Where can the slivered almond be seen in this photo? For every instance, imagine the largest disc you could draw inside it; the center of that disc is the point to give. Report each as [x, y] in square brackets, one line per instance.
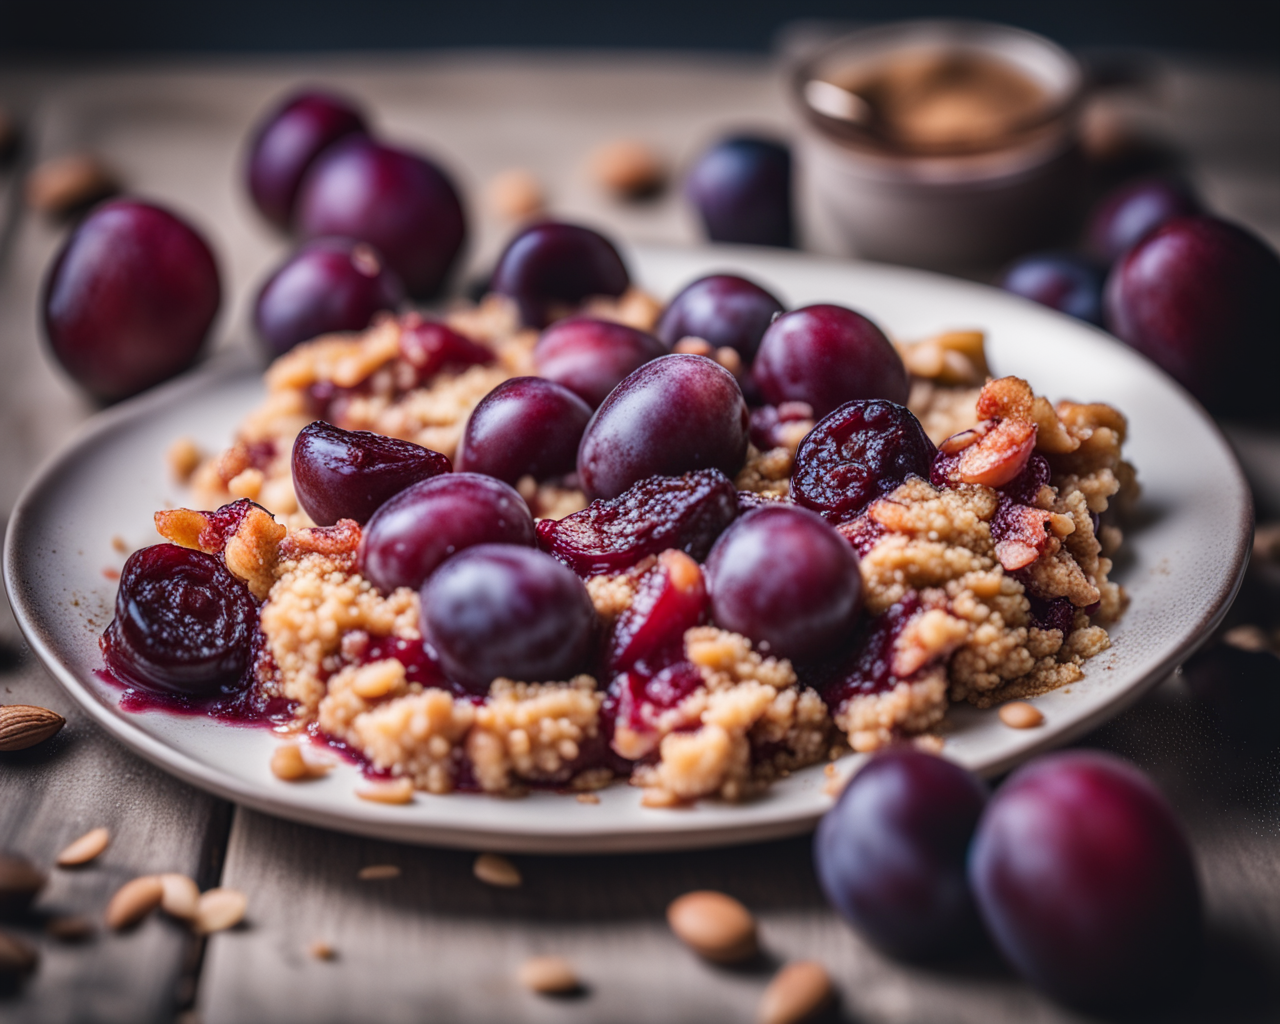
[397, 791]
[378, 872]
[797, 992]
[714, 925]
[25, 725]
[181, 896]
[218, 910]
[549, 975]
[133, 901]
[84, 849]
[493, 869]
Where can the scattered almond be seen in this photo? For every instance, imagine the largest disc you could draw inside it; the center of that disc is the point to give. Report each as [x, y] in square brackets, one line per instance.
[218, 910]
[84, 849]
[25, 725]
[69, 929]
[714, 925]
[692, 346]
[184, 458]
[322, 950]
[494, 869]
[398, 791]
[549, 975]
[378, 872]
[1246, 638]
[20, 881]
[290, 764]
[516, 194]
[64, 184]
[181, 896]
[628, 168]
[1019, 714]
[17, 958]
[587, 798]
[797, 992]
[133, 901]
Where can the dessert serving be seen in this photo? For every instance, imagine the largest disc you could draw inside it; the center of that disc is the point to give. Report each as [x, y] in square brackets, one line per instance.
[568, 536]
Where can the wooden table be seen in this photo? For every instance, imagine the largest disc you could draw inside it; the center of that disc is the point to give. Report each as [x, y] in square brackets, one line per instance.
[435, 944]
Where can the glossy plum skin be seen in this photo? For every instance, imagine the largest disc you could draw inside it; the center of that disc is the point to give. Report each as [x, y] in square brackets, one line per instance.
[409, 536]
[741, 188]
[1064, 281]
[1198, 296]
[398, 201]
[550, 267]
[675, 414]
[827, 355]
[526, 426]
[722, 309]
[184, 625]
[1086, 882]
[786, 580]
[129, 299]
[890, 855]
[1132, 211]
[330, 284]
[287, 141]
[501, 610]
[350, 474]
[591, 357]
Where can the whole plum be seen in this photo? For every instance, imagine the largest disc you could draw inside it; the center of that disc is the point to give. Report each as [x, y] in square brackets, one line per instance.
[549, 268]
[1064, 281]
[591, 357]
[722, 309]
[741, 187]
[1132, 211]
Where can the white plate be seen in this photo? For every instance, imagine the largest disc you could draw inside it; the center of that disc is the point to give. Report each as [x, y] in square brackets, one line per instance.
[1182, 566]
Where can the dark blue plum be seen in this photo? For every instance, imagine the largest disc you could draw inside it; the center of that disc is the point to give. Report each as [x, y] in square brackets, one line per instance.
[722, 309]
[1064, 281]
[741, 187]
[1131, 212]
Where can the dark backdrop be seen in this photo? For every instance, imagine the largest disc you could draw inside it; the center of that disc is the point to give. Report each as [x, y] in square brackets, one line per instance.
[51, 27]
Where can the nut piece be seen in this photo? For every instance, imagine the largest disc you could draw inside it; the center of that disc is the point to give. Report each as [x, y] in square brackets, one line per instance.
[218, 910]
[84, 849]
[69, 929]
[322, 950]
[378, 872]
[289, 763]
[133, 901]
[20, 881]
[67, 183]
[398, 791]
[25, 725]
[1019, 714]
[16, 957]
[516, 194]
[181, 896]
[714, 925]
[797, 992]
[494, 869]
[184, 458]
[549, 975]
[628, 168]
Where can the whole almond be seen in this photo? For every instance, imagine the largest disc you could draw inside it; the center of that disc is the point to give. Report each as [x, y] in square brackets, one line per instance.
[20, 881]
[133, 901]
[180, 896]
[69, 929]
[1018, 714]
[548, 975]
[16, 957]
[493, 869]
[25, 725]
[628, 168]
[714, 925]
[797, 992]
[67, 183]
[84, 849]
[220, 909]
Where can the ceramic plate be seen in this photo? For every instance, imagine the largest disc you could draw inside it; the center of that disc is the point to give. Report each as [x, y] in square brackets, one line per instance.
[1181, 565]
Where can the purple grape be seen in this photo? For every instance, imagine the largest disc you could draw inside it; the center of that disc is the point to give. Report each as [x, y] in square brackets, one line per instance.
[1086, 883]
[891, 853]
[410, 535]
[591, 357]
[184, 625]
[549, 268]
[526, 426]
[741, 187]
[783, 578]
[723, 310]
[399, 202]
[497, 610]
[1063, 281]
[857, 453]
[1131, 212]
[675, 414]
[331, 284]
[350, 474]
[129, 299]
[287, 141]
[826, 356]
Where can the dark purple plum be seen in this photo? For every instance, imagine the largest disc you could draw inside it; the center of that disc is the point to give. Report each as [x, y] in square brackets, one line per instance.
[1132, 211]
[675, 414]
[398, 201]
[129, 299]
[741, 187]
[783, 578]
[526, 426]
[1085, 880]
[857, 453]
[591, 357]
[1198, 296]
[184, 625]
[331, 284]
[891, 853]
[549, 268]
[686, 513]
[410, 535]
[826, 356]
[287, 141]
[1064, 281]
[498, 610]
[350, 474]
[721, 309]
